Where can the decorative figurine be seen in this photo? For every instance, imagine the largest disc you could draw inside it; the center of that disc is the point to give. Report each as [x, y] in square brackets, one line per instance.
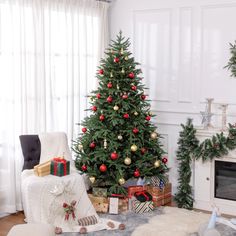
[207, 114]
[223, 107]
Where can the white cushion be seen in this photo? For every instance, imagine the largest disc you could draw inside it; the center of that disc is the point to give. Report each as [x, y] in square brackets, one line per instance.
[32, 229]
[54, 144]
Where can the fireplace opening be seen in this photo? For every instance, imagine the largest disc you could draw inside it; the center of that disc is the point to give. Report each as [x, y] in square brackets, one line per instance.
[225, 180]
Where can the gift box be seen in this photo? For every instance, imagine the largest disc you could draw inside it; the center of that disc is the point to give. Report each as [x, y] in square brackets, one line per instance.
[143, 196]
[137, 188]
[101, 204]
[99, 192]
[60, 167]
[118, 204]
[157, 182]
[142, 207]
[160, 197]
[42, 169]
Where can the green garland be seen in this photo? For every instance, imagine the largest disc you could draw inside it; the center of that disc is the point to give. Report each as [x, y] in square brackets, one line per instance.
[187, 144]
[218, 146]
[232, 61]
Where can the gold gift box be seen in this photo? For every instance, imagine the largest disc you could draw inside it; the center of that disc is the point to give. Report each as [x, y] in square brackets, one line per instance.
[42, 169]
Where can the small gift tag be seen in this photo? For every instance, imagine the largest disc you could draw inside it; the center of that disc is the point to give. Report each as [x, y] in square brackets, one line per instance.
[113, 205]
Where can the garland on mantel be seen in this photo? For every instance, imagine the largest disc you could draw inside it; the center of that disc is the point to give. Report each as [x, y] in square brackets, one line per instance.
[189, 148]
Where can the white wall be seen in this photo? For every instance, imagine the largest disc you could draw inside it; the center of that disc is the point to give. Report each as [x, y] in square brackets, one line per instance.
[182, 47]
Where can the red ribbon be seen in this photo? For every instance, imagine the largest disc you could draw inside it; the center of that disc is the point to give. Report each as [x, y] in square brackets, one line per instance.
[117, 195]
[142, 193]
[59, 160]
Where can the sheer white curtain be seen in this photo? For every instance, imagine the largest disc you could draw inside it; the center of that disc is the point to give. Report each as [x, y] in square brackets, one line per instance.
[49, 51]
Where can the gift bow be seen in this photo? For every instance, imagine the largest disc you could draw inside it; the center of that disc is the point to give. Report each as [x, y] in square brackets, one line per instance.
[143, 193]
[69, 209]
[59, 159]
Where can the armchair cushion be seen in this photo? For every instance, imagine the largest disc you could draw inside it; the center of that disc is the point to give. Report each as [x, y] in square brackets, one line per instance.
[31, 149]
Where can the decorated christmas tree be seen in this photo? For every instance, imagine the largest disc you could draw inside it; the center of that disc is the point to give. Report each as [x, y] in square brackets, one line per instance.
[118, 139]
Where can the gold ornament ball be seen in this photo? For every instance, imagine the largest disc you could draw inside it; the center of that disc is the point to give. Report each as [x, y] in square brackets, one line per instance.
[121, 181]
[150, 113]
[134, 148]
[126, 58]
[116, 108]
[127, 161]
[135, 113]
[153, 135]
[80, 147]
[92, 179]
[157, 163]
[120, 137]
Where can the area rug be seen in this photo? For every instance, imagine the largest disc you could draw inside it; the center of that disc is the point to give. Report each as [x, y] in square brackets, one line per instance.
[163, 221]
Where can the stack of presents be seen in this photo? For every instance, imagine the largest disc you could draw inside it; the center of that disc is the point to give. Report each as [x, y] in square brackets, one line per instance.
[57, 166]
[140, 198]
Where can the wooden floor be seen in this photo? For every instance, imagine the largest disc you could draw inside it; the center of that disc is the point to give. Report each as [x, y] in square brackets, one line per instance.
[7, 222]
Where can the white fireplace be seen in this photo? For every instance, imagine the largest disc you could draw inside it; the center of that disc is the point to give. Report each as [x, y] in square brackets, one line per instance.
[214, 182]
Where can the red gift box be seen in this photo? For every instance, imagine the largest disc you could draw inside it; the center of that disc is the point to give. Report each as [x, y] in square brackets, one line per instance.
[137, 188]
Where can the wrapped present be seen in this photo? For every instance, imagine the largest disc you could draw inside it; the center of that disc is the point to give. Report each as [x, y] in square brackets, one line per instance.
[157, 182]
[163, 201]
[137, 188]
[155, 191]
[143, 196]
[42, 169]
[59, 167]
[99, 192]
[100, 204]
[142, 207]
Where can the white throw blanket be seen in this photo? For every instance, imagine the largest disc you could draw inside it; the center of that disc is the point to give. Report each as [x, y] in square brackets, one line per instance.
[43, 197]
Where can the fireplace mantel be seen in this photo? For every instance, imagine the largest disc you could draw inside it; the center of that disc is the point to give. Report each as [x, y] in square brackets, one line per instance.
[203, 180]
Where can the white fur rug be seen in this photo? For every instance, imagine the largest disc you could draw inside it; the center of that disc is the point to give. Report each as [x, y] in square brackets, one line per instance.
[173, 222]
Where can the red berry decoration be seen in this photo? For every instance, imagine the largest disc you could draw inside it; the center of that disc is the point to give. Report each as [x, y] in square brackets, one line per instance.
[94, 108]
[116, 59]
[124, 96]
[126, 116]
[114, 156]
[109, 85]
[109, 99]
[143, 150]
[143, 97]
[103, 168]
[83, 167]
[92, 145]
[131, 75]
[135, 130]
[84, 130]
[133, 87]
[98, 96]
[101, 71]
[164, 160]
[148, 118]
[101, 117]
[136, 173]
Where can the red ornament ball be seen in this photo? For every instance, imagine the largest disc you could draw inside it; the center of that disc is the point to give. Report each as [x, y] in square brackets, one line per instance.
[93, 108]
[92, 145]
[83, 167]
[84, 130]
[114, 156]
[101, 117]
[98, 96]
[136, 173]
[124, 96]
[101, 71]
[109, 85]
[148, 118]
[143, 150]
[131, 75]
[109, 99]
[135, 130]
[143, 97]
[164, 160]
[133, 87]
[116, 59]
[103, 168]
[126, 116]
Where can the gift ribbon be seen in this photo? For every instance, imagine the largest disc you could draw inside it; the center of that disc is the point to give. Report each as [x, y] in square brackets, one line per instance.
[142, 193]
[117, 195]
[59, 160]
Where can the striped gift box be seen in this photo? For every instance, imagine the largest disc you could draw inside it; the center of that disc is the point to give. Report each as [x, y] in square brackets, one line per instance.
[142, 207]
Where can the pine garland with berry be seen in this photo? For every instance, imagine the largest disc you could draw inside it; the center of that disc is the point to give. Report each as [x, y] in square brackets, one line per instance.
[216, 147]
[187, 144]
[119, 140]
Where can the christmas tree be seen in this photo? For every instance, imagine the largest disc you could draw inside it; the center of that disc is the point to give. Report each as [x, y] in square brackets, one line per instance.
[187, 144]
[118, 139]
